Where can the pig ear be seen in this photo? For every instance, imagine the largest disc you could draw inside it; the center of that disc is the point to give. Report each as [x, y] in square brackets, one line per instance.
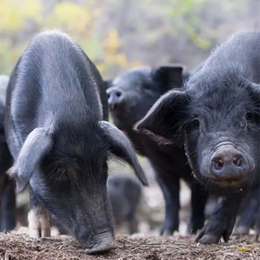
[37, 144]
[165, 118]
[121, 147]
[107, 83]
[169, 76]
[254, 88]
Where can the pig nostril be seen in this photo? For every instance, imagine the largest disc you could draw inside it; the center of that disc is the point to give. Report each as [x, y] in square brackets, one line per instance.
[118, 94]
[218, 164]
[238, 161]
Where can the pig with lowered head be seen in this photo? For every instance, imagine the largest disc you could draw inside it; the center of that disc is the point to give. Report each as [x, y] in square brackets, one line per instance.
[130, 96]
[217, 116]
[59, 140]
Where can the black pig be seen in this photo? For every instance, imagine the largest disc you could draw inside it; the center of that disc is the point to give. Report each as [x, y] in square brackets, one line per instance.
[7, 186]
[217, 116]
[130, 96]
[124, 194]
[60, 143]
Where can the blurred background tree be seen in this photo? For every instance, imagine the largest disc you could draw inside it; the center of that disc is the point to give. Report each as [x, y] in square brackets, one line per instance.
[120, 34]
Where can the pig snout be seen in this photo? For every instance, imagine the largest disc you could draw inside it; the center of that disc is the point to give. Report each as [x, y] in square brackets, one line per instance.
[228, 163]
[115, 97]
[100, 243]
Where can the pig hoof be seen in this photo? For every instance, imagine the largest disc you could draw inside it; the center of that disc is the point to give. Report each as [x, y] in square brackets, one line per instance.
[34, 233]
[241, 230]
[194, 226]
[46, 232]
[191, 230]
[38, 233]
[100, 249]
[168, 231]
[209, 239]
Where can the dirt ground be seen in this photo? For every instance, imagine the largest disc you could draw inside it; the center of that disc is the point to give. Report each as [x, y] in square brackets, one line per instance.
[21, 247]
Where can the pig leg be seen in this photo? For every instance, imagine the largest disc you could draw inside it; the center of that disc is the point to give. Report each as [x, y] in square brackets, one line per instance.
[38, 219]
[198, 201]
[8, 209]
[170, 186]
[133, 224]
[257, 220]
[222, 220]
[2, 180]
[249, 215]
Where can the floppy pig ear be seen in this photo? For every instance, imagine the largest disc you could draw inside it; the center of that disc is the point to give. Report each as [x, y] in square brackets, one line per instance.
[121, 147]
[107, 83]
[169, 76]
[37, 144]
[165, 118]
[254, 88]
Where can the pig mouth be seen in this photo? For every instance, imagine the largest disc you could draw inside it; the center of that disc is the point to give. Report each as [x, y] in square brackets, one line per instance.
[122, 107]
[116, 106]
[228, 183]
[113, 106]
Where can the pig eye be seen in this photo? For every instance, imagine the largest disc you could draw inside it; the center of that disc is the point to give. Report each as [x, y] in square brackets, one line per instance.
[61, 174]
[195, 123]
[146, 86]
[249, 116]
[60, 170]
[252, 118]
